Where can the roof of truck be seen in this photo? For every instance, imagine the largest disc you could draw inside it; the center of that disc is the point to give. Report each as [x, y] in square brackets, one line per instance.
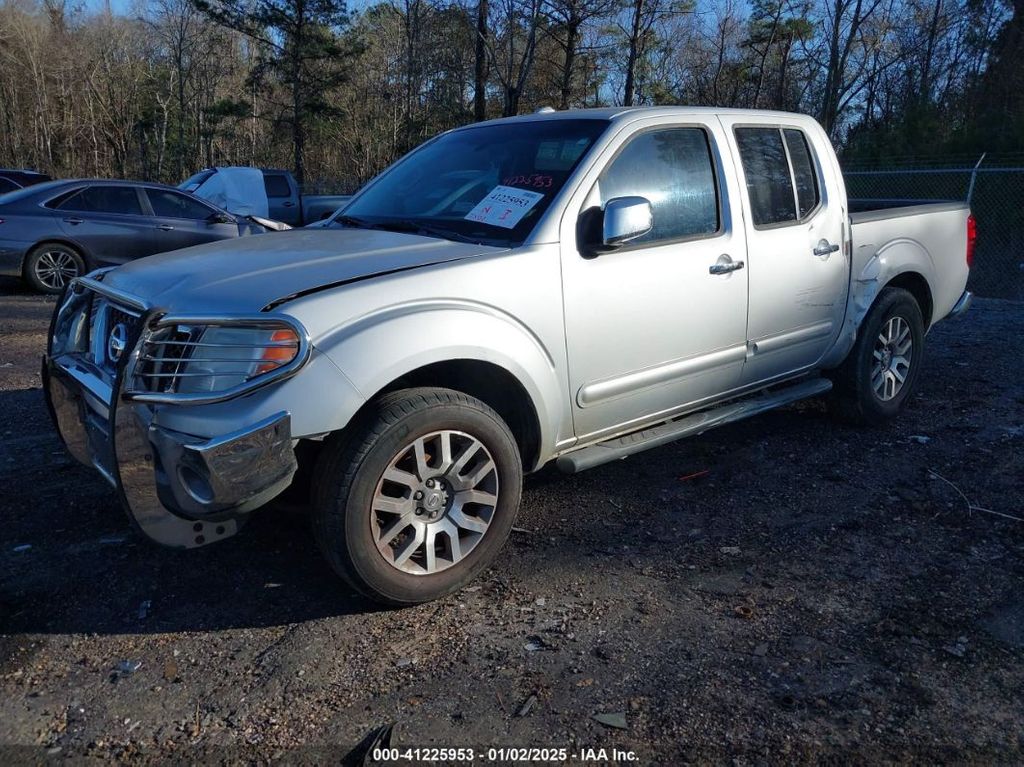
[617, 113]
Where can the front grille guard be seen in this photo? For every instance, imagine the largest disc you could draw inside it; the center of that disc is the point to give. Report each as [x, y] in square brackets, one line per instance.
[130, 413]
[134, 381]
[141, 380]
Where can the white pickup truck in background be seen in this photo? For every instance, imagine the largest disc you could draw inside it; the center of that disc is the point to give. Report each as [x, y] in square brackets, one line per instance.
[267, 193]
[572, 287]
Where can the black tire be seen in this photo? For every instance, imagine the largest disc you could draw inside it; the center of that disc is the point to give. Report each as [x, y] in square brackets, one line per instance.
[349, 475]
[855, 398]
[50, 266]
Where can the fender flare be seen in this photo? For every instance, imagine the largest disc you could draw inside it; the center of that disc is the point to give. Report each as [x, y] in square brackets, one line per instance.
[378, 348]
[900, 256]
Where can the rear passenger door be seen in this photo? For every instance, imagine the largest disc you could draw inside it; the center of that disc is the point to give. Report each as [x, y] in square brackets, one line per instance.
[108, 221]
[181, 221]
[795, 225]
[282, 199]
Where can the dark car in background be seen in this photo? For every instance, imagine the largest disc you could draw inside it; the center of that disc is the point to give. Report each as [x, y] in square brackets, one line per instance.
[19, 179]
[54, 231]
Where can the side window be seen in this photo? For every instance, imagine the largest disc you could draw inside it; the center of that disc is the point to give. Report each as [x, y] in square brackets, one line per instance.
[104, 199]
[277, 185]
[803, 171]
[769, 185]
[771, 167]
[57, 203]
[168, 204]
[673, 169]
[6, 185]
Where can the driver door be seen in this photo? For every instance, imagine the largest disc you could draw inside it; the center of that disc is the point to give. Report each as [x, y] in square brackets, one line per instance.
[655, 325]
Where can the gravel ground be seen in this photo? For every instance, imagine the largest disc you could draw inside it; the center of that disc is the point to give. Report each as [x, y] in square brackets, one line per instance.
[784, 588]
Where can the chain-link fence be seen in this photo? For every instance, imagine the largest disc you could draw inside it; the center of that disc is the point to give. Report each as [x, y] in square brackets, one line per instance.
[995, 189]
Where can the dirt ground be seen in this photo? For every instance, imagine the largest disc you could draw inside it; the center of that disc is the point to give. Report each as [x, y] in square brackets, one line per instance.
[816, 593]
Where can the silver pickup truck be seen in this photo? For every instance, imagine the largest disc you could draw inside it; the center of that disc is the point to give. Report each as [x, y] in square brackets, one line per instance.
[572, 287]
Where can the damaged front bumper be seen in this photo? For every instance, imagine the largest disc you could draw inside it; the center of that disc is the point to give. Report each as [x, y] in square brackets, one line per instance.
[181, 490]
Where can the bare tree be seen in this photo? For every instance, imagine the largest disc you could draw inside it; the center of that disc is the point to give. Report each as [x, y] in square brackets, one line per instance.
[846, 54]
[480, 62]
[514, 54]
[566, 21]
[642, 16]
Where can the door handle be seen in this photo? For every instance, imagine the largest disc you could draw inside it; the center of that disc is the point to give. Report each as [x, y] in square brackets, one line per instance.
[165, 227]
[824, 248]
[74, 220]
[725, 268]
[288, 204]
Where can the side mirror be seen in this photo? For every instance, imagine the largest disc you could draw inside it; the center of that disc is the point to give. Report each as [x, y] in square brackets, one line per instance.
[625, 219]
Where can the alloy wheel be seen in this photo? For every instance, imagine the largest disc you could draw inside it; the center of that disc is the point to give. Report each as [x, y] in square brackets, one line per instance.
[891, 358]
[434, 502]
[56, 268]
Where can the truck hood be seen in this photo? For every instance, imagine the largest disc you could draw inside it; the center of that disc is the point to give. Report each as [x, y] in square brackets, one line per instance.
[250, 273]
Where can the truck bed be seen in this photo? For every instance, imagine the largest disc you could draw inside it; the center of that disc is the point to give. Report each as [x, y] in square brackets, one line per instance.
[878, 209]
[929, 236]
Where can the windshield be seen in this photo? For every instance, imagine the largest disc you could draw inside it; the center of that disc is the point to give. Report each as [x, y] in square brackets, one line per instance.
[195, 181]
[488, 184]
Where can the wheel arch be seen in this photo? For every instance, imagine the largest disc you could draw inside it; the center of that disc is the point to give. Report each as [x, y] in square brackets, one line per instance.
[488, 382]
[901, 263]
[915, 283]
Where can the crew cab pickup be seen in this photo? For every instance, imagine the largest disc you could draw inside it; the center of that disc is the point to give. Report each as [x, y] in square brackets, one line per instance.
[572, 287]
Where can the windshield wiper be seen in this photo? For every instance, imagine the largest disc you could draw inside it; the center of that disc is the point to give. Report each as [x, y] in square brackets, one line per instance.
[416, 227]
[353, 222]
[409, 225]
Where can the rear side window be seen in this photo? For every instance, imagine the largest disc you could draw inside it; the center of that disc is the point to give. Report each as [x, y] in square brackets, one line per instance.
[803, 171]
[168, 204]
[673, 169]
[6, 185]
[277, 185]
[770, 171]
[104, 199]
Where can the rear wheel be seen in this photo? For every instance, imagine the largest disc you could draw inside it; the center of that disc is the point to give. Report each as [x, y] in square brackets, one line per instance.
[51, 266]
[880, 372]
[418, 496]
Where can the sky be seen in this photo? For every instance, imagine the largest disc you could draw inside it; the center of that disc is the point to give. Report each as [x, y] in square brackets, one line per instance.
[117, 6]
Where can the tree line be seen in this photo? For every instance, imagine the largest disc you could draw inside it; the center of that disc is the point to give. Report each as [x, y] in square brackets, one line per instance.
[336, 93]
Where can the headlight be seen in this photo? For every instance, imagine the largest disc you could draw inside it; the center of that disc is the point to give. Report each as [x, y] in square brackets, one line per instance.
[196, 360]
[226, 357]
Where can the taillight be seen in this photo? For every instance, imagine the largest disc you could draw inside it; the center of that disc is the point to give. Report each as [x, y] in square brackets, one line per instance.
[972, 235]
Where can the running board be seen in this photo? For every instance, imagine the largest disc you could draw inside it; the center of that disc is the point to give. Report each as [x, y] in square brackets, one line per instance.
[687, 426]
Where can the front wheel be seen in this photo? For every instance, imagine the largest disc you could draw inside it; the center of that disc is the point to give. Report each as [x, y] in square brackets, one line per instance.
[418, 495]
[880, 372]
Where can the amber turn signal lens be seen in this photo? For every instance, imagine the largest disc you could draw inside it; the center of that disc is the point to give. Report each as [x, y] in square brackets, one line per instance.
[286, 346]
